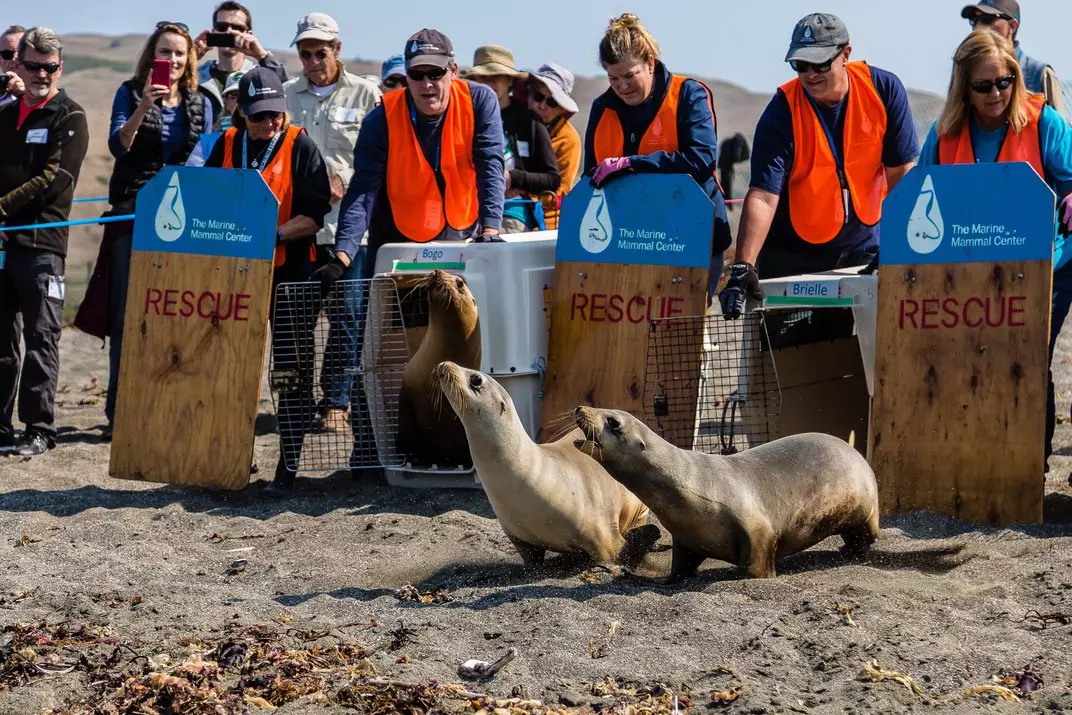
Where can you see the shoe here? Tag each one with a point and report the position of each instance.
(34, 444)
(283, 483)
(335, 419)
(106, 433)
(9, 442)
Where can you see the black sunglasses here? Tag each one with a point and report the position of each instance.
(539, 98)
(984, 86)
(393, 81)
(49, 67)
(7, 54)
(260, 117)
(986, 19)
(801, 66)
(320, 54)
(181, 25)
(419, 75)
(225, 26)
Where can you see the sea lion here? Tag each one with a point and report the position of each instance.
(428, 435)
(749, 509)
(547, 497)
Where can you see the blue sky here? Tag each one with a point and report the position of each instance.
(743, 42)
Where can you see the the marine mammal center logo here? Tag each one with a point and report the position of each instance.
(171, 214)
(925, 226)
(596, 226)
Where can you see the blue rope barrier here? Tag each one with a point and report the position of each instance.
(90, 201)
(78, 222)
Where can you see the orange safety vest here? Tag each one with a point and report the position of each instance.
(420, 211)
(661, 135)
(817, 195)
(278, 174)
(1024, 146)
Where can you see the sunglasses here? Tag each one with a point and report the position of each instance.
(181, 25)
(801, 67)
(320, 54)
(983, 19)
(984, 86)
(261, 117)
(394, 81)
(225, 26)
(540, 98)
(49, 67)
(419, 75)
(7, 54)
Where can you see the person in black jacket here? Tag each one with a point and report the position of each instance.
(531, 166)
(43, 140)
(152, 126)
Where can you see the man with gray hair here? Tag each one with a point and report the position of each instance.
(43, 140)
(10, 83)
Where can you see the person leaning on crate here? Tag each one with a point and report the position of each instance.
(43, 140)
(262, 138)
(651, 121)
(829, 146)
(990, 116)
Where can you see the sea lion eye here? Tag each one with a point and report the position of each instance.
(475, 382)
(614, 424)
(460, 283)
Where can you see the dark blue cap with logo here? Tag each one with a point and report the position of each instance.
(428, 47)
(260, 90)
(1010, 8)
(816, 38)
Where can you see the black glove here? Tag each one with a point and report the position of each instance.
(742, 284)
(327, 274)
(488, 238)
(870, 267)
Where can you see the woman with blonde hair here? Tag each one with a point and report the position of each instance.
(653, 121)
(990, 116)
(152, 126)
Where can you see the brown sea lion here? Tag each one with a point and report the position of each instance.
(547, 497)
(749, 509)
(429, 432)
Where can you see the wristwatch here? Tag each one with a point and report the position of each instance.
(279, 235)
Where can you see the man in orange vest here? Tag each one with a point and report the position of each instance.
(829, 146)
(428, 164)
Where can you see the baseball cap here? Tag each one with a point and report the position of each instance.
(316, 26)
(395, 64)
(232, 82)
(992, 7)
(816, 38)
(260, 90)
(428, 47)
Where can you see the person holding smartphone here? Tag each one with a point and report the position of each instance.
(158, 116)
(237, 50)
(11, 85)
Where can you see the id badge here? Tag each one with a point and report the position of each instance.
(3, 258)
(57, 288)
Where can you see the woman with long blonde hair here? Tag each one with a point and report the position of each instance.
(990, 116)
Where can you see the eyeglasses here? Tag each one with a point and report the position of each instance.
(7, 54)
(181, 25)
(984, 86)
(419, 75)
(225, 26)
(49, 67)
(800, 67)
(320, 54)
(985, 19)
(395, 80)
(261, 117)
(540, 98)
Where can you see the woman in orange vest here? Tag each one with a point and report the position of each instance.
(262, 138)
(652, 121)
(990, 116)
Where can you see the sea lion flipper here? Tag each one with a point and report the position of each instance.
(759, 550)
(683, 563)
(531, 555)
(638, 542)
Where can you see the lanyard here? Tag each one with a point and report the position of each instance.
(439, 144)
(826, 129)
(267, 154)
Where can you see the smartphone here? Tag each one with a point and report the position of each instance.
(4, 79)
(220, 39)
(161, 73)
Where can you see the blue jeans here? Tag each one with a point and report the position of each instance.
(342, 351)
(1061, 301)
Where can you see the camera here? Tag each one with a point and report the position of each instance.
(4, 79)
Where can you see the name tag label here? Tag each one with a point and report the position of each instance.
(438, 254)
(37, 136)
(813, 289)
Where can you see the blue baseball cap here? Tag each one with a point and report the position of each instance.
(395, 64)
(1010, 8)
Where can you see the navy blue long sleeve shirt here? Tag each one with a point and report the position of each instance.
(366, 195)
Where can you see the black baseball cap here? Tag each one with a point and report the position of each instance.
(428, 47)
(992, 7)
(260, 90)
(816, 38)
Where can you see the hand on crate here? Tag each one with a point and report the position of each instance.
(328, 273)
(742, 284)
(608, 167)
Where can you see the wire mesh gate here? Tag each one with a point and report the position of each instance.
(328, 351)
(710, 384)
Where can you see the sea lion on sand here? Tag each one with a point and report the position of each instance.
(425, 434)
(547, 497)
(749, 509)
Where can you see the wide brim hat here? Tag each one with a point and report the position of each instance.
(559, 82)
(492, 61)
